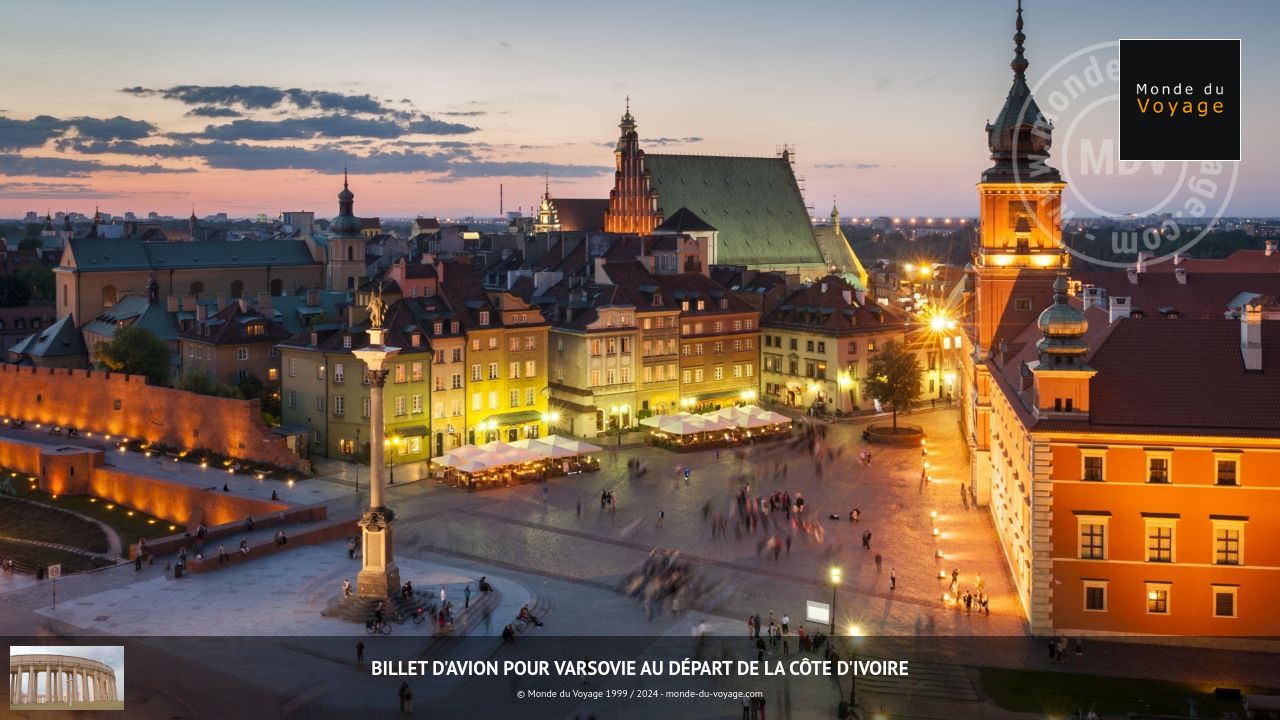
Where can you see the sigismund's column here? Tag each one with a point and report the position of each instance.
(379, 577)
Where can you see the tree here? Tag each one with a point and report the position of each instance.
(137, 351)
(894, 378)
(31, 243)
(40, 281)
(14, 291)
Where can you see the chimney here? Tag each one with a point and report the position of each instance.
(222, 300)
(862, 297)
(202, 312)
(848, 296)
(823, 288)
(1181, 274)
(171, 303)
(1177, 258)
(1133, 275)
(1143, 257)
(189, 302)
(264, 301)
(1271, 248)
(1119, 308)
(244, 305)
(1251, 336)
(313, 297)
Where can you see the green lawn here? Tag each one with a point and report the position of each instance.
(1062, 693)
(129, 526)
(37, 522)
(38, 555)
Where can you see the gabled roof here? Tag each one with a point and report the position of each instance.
(754, 202)
(92, 255)
(684, 220)
(60, 339)
(230, 326)
(295, 315)
(1203, 295)
(831, 305)
(137, 311)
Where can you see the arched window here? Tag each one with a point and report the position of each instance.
(109, 296)
(197, 287)
(277, 287)
(351, 282)
(351, 252)
(237, 288)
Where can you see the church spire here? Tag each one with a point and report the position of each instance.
(1019, 63)
(1020, 136)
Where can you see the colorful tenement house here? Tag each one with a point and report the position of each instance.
(233, 344)
(646, 331)
(817, 342)
(754, 203)
(1123, 493)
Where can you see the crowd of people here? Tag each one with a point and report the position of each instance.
(666, 582)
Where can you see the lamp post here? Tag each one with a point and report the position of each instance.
(835, 584)
(357, 453)
(940, 323)
(854, 633)
(393, 446)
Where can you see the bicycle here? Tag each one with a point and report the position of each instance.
(373, 627)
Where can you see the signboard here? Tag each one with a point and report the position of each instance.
(55, 571)
(817, 612)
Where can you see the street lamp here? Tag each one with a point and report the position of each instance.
(357, 453)
(835, 583)
(747, 395)
(845, 381)
(854, 633)
(940, 323)
(393, 443)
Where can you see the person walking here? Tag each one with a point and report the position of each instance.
(404, 698)
(346, 588)
(759, 648)
(755, 620)
(351, 548)
(878, 561)
(786, 622)
(893, 579)
(1079, 648)
(466, 596)
(662, 514)
(360, 652)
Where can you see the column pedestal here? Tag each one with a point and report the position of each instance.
(379, 577)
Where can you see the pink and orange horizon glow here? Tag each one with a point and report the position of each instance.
(257, 107)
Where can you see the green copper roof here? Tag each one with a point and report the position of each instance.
(754, 202)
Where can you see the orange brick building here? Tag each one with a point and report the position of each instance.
(1130, 464)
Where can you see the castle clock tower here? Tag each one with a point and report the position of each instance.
(1018, 256)
(346, 267)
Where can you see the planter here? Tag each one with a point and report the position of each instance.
(905, 436)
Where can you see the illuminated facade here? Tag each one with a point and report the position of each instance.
(1129, 496)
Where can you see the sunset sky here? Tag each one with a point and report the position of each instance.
(248, 107)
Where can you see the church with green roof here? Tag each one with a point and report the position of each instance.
(754, 205)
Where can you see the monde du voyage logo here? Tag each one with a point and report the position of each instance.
(1180, 100)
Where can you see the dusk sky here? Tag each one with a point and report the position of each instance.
(255, 106)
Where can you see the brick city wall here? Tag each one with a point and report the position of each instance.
(125, 405)
(216, 533)
(337, 530)
(184, 504)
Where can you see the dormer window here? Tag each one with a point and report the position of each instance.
(724, 303)
(346, 342)
(417, 340)
(702, 304)
(684, 305)
(657, 298)
(484, 317)
(453, 326)
(438, 329)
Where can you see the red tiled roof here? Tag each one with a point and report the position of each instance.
(1204, 295)
(584, 214)
(822, 306)
(1240, 261)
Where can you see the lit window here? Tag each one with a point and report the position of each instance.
(1158, 598)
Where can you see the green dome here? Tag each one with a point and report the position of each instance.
(1063, 326)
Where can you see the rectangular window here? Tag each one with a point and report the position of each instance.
(530, 396)
(339, 405)
(717, 373)
(493, 371)
(457, 381)
(242, 353)
(530, 368)
(439, 383)
(1093, 466)
(749, 368)
(609, 376)
(416, 374)
(595, 378)
(717, 348)
(751, 344)
(1227, 542)
(437, 410)
(1160, 541)
(457, 353)
(737, 371)
(513, 372)
(484, 317)
(686, 377)
(1224, 601)
(513, 344)
(1227, 469)
(1022, 304)
(1093, 539)
(415, 403)
(339, 373)
(493, 399)
(624, 374)
(515, 398)
(647, 374)
(320, 404)
(347, 446)
(1158, 598)
(531, 342)
(697, 375)
(399, 405)
(1095, 595)
(493, 343)
(293, 399)
(475, 372)
(346, 342)
(399, 372)
(1158, 468)
(319, 372)
(365, 410)
(477, 401)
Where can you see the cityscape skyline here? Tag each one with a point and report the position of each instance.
(140, 135)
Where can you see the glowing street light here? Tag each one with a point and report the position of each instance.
(835, 574)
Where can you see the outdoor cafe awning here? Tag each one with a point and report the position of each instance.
(412, 431)
(522, 417)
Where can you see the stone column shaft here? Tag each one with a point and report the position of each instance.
(377, 438)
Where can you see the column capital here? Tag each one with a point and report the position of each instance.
(376, 378)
